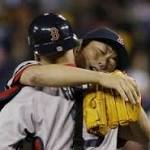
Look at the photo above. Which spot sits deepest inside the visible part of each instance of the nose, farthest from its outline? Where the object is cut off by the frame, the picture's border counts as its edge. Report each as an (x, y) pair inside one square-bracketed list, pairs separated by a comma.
[(102, 64)]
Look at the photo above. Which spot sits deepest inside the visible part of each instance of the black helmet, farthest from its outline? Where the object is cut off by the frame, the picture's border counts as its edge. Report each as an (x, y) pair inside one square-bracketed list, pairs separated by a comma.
[(51, 33), (106, 35)]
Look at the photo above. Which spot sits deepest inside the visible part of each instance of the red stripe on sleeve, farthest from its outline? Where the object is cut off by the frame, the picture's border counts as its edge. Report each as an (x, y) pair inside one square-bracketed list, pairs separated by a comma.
[(17, 77)]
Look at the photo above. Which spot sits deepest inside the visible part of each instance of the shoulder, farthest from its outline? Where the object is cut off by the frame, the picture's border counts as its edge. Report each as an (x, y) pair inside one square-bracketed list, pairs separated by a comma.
[(24, 64), (18, 72)]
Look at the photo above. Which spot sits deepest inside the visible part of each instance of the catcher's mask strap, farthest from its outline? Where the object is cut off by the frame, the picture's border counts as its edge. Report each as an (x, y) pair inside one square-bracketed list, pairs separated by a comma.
[(78, 140)]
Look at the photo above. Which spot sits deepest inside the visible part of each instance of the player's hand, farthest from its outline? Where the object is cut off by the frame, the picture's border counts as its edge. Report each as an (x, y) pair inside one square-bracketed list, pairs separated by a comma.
[(123, 84)]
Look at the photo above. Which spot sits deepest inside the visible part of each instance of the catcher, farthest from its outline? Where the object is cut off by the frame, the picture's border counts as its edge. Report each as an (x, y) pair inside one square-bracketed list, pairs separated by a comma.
[(42, 73)]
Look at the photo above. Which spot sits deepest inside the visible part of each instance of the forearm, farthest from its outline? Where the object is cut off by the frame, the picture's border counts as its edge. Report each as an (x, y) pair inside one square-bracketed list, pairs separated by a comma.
[(61, 75), (138, 131), (141, 129), (58, 75), (145, 123)]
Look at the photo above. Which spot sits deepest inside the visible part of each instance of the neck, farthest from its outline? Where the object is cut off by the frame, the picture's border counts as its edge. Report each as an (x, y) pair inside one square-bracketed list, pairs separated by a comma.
[(66, 58)]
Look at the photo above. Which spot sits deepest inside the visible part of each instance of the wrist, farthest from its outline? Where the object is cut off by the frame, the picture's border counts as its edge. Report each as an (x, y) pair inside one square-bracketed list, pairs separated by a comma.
[(100, 78)]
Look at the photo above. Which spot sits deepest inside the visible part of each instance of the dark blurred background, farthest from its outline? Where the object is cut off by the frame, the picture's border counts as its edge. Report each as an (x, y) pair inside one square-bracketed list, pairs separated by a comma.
[(130, 18)]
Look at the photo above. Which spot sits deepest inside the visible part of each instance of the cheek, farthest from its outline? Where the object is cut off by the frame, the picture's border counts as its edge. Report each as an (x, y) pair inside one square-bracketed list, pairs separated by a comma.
[(89, 57), (112, 64), (92, 61), (82, 61)]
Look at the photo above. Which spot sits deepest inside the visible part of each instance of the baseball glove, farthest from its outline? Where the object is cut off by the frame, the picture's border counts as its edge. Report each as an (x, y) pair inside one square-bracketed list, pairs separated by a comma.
[(105, 109)]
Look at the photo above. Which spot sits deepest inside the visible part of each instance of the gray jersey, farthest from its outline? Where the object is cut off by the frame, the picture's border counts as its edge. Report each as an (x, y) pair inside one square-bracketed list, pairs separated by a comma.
[(92, 142), (46, 111), (49, 112), (49, 116)]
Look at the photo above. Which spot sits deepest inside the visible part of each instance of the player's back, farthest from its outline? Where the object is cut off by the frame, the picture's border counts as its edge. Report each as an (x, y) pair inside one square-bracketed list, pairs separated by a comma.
[(44, 111)]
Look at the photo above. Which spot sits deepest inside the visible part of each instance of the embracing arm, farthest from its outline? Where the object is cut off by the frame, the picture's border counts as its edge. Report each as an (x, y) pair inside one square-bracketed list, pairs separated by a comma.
[(57, 75), (61, 75), (138, 131)]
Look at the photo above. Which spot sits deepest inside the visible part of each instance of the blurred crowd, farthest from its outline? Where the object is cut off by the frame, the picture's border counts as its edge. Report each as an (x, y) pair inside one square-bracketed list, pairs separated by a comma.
[(129, 18)]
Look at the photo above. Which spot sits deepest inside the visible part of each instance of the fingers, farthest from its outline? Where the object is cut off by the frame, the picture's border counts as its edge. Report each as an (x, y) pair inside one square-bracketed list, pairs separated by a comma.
[(122, 94), (124, 85), (130, 89), (134, 88), (130, 92), (133, 82)]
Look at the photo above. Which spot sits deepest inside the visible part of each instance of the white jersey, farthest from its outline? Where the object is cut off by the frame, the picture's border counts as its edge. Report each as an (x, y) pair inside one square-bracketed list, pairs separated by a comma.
[(50, 117), (49, 112), (92, 142)]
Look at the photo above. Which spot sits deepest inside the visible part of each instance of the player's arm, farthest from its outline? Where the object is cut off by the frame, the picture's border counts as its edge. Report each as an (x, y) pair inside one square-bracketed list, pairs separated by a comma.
[(57, 75), (138, 131), (61, 75)]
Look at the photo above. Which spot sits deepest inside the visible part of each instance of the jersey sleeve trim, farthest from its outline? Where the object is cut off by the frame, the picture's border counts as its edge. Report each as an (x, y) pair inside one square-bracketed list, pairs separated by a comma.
[(18, 72)]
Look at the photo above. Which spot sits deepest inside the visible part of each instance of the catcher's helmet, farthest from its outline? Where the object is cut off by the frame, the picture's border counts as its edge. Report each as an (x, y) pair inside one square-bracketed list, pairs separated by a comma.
[(111, 38), (51, 33)]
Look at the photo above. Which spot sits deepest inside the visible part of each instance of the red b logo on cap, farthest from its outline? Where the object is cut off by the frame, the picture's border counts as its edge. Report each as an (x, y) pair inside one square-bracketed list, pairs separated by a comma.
[(54, 33), (120, 40)]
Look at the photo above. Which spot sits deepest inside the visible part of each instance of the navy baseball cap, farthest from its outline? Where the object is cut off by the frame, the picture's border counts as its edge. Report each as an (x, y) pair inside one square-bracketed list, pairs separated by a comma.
[(106, 35)]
